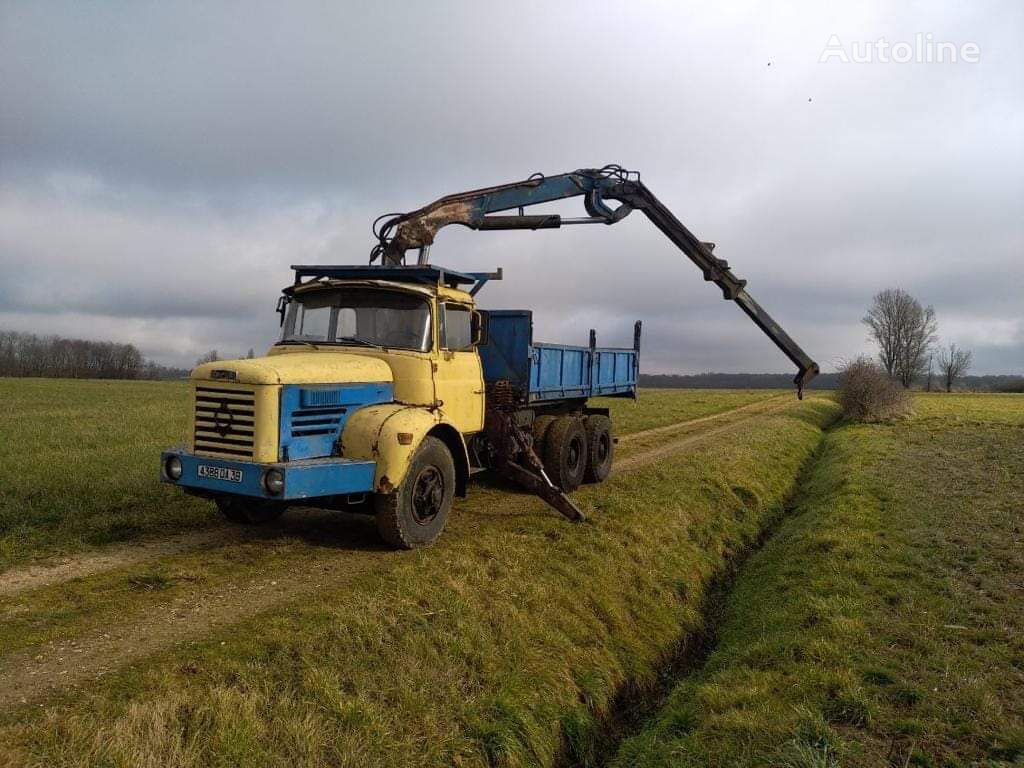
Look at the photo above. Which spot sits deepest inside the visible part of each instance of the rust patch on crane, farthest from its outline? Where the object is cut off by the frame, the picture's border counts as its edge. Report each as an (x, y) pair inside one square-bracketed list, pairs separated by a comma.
[(420, 230)]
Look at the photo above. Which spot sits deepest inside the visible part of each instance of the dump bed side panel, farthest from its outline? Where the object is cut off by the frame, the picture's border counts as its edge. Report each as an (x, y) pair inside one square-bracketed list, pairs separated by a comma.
[(548, 372), (614, 372), (560, 372)]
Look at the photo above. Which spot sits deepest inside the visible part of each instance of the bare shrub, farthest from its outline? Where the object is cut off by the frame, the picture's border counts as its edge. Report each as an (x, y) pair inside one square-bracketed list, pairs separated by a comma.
[(866, 393)]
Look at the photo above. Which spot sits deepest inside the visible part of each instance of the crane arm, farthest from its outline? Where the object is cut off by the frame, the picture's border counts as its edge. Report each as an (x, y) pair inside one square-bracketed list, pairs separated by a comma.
[(475, 209)]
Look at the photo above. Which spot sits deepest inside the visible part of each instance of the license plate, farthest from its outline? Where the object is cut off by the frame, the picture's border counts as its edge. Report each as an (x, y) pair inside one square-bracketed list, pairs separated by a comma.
[(220, 473)]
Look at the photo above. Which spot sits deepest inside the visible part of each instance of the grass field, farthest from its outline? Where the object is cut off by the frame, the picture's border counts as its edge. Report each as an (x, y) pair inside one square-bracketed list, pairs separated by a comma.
[(884, 624), (879, 625), (507, 643), (79, 458)]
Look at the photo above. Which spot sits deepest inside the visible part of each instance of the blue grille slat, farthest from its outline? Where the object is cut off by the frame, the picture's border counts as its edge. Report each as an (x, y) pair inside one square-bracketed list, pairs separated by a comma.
[(319, 398), (312, 418)]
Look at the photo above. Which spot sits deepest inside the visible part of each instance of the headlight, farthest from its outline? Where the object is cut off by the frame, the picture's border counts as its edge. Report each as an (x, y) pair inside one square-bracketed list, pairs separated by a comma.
[(273, 481), (173, 468)]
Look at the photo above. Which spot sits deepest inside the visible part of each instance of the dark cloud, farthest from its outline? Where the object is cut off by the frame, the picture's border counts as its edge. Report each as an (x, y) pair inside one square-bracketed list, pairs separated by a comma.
[(161, 167)]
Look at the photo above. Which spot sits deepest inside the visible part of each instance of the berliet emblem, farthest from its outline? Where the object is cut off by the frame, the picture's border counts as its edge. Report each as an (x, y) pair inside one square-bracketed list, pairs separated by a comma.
[(223, 419)]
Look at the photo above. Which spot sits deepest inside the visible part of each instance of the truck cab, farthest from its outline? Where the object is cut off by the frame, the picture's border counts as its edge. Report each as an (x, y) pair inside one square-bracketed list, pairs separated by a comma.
[(374, 398)]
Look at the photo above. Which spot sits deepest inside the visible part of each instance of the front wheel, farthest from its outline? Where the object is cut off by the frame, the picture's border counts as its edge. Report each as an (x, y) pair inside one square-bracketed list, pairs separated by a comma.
[(245, 511), (415, 514)]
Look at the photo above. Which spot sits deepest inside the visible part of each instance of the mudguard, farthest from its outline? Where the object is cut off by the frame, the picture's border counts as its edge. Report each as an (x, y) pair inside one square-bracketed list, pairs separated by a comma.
[(390, 434)]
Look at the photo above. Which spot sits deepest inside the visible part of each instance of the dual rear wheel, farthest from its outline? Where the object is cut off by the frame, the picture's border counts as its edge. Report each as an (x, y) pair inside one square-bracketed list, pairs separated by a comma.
[(575, 450)]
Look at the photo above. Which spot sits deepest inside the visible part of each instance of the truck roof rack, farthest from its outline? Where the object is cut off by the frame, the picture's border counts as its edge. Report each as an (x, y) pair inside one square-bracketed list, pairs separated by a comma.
[(427, 274)]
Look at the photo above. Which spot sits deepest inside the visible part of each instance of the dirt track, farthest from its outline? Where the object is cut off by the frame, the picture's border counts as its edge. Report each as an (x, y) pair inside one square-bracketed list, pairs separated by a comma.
[(22, 579), (26, 676)]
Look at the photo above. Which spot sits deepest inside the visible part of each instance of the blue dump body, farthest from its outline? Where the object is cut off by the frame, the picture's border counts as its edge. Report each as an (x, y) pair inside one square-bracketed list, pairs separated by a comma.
[(546, 372)]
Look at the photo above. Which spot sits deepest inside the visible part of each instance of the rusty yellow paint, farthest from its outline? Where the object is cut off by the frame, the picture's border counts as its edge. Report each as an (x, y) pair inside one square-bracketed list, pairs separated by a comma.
[(453, 294), (411, 372), (266, 402), (431, 388), (324, 365), (372, 433)]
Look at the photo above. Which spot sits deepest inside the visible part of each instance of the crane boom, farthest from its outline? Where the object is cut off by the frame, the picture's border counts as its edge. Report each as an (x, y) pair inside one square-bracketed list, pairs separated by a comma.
[(476, 208)]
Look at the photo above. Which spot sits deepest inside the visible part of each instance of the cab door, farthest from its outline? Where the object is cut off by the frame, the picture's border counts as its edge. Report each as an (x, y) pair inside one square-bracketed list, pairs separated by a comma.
[(459, 379)]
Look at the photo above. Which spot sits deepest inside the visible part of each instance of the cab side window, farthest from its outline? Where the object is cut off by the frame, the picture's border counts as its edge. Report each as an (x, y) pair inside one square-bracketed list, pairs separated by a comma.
[(456, 328)]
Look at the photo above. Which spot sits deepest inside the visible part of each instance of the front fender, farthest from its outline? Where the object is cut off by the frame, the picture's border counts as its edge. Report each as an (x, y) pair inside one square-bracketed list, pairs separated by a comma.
[(373, 433)]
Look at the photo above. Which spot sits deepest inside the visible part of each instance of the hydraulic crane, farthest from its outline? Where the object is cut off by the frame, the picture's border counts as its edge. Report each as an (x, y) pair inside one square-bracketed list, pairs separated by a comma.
[(476, 209)]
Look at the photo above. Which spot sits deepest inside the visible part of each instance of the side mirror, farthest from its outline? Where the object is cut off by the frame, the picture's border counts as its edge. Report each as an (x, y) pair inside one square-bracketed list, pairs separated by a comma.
[(282, 308), (478, 328)]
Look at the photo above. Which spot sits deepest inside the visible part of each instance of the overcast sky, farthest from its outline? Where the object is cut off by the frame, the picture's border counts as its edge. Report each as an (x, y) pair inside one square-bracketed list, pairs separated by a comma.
[(162, 165)]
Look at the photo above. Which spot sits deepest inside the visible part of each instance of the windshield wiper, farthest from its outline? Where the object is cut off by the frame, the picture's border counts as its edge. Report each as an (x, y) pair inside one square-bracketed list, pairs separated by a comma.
[(357, 340)]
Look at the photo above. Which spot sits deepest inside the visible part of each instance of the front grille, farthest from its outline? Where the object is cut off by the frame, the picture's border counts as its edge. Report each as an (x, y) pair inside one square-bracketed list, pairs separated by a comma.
[(310, 422), (225, 421)]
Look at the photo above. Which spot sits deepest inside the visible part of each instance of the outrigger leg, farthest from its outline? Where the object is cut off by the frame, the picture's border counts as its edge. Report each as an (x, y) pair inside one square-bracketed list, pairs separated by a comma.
[(515, 448)]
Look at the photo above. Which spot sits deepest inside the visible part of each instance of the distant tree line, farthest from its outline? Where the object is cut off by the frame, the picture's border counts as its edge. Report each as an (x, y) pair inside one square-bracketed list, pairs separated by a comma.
[(732, 381), (785, 381), (26, 354)]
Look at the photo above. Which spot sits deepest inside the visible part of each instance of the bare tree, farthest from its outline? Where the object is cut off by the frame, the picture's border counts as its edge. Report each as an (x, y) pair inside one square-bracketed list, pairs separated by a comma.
[(904, 331), (954, 362), (210, 357)]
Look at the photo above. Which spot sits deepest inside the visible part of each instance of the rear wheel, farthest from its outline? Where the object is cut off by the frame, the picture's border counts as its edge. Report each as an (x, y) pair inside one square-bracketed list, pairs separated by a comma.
[(600, 448), (541, 425), (415, 514), (565, 452), (245, 511)]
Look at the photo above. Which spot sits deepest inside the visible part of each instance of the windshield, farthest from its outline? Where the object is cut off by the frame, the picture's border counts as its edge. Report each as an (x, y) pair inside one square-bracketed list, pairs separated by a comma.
[(359, 317)]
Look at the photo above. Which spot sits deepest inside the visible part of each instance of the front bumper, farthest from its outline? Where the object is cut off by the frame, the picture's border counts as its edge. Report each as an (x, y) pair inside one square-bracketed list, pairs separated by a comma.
[(307, 479)]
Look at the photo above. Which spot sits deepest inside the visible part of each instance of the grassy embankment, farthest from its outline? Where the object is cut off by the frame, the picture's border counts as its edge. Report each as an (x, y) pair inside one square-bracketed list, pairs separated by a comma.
[(883, 624), (79, 458), (506, 643)]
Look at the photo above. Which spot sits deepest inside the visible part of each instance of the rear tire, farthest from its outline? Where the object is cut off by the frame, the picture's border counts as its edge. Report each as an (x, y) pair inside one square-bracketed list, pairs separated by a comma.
[(245, 511), (541, 425), (565, 453), (415, 514), (600, 448)]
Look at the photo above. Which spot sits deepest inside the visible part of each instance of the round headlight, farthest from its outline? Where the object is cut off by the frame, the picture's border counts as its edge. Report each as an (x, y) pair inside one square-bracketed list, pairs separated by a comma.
[(173, 468), (273, 481)]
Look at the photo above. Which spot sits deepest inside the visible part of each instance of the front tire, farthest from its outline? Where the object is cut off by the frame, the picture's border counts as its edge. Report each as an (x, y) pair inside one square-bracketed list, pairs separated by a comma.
[(246, 511), (415, 514)]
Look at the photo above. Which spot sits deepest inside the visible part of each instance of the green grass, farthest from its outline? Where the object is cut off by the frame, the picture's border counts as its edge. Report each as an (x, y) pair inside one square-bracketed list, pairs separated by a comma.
[(505, 644), (661, 407), (883, 625), (80, 464), (80, 458)]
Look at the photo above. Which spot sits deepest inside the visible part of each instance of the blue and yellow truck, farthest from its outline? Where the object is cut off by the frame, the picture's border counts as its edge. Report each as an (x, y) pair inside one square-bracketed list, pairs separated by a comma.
[(389, 388)]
